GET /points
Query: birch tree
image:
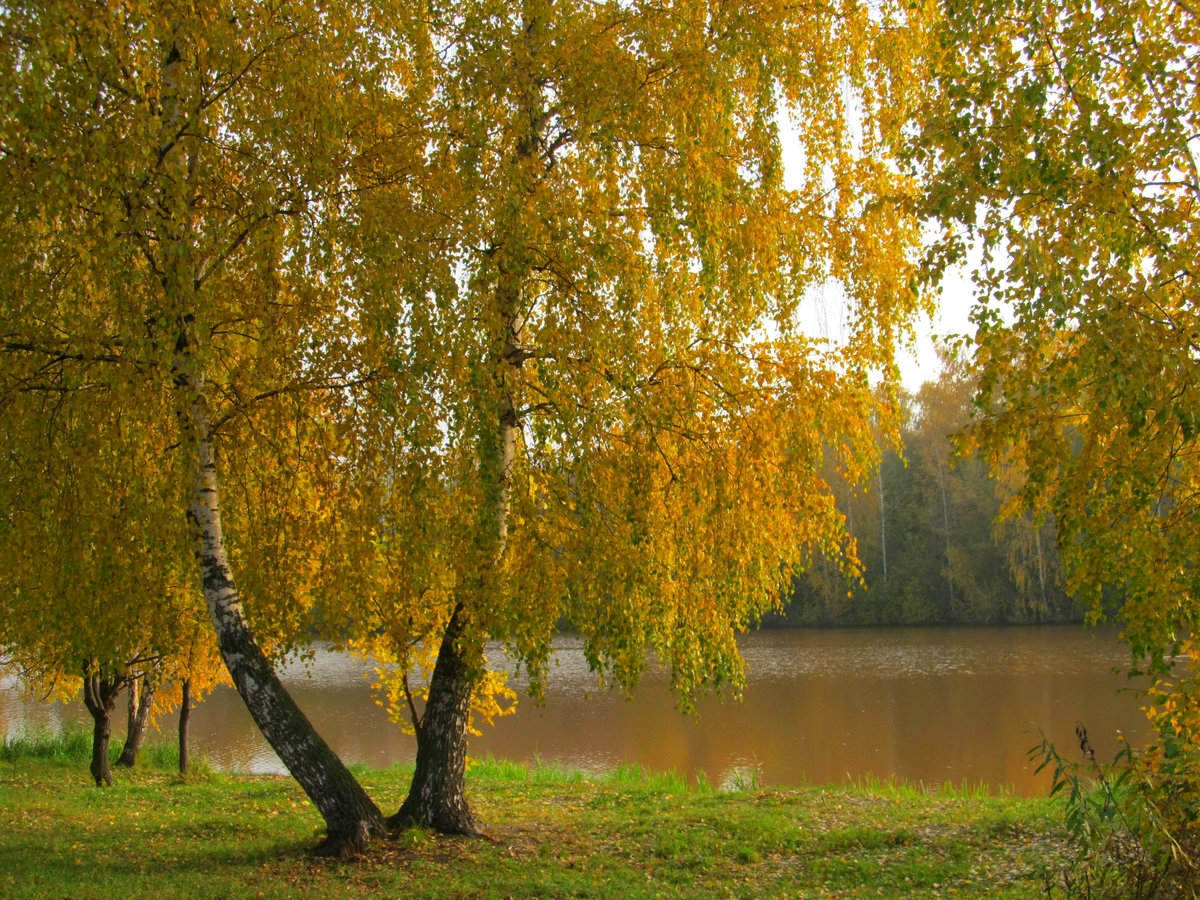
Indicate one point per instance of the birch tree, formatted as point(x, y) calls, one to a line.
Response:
point(613, 414)
point(167, 170)
point(1063, 143)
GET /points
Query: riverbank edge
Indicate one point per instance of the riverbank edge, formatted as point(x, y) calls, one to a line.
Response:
point(551, 832)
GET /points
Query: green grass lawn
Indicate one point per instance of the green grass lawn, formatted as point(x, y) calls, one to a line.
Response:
point(550, 833)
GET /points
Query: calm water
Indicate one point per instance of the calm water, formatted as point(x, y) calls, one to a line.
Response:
point(929, 705)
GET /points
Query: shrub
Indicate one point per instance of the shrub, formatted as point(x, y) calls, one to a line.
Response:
point(1132, 823)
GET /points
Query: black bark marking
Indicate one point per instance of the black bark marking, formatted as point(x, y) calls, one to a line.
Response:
point(437, 797)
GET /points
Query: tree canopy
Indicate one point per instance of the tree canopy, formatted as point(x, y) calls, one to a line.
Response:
point(606, 410)
point(171, 296)
point(1063, 143)
point(465, 319)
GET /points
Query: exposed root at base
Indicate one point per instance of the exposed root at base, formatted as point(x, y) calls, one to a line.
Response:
point(444, 824)
point(348, 846)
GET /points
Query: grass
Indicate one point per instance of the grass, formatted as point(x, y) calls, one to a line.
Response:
point(66, 747)
point(552, 832)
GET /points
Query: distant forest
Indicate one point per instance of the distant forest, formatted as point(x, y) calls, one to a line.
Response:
point(929, 537)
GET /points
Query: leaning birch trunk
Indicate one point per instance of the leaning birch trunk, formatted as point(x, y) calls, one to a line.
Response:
point(351, 817)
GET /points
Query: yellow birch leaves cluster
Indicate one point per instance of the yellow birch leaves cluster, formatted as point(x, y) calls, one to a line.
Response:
point(1060, 142)
point(499, 305)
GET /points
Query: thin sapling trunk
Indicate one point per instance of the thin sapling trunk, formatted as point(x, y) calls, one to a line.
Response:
point(185, 717)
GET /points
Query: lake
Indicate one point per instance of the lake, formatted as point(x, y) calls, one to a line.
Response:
point(930, 705)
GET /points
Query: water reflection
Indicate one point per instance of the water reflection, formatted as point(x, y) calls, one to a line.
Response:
point(929, 705)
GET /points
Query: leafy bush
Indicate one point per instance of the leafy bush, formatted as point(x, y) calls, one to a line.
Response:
point(1131, 824)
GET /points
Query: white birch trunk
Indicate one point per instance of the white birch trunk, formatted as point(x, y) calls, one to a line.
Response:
point(351, 818)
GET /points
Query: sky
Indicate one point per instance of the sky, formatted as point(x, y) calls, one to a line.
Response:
point(827, 311)
point(953, 317)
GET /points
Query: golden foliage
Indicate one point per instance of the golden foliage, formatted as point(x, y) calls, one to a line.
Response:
point(492, 306)
point(1061, 141)
point(604, 408)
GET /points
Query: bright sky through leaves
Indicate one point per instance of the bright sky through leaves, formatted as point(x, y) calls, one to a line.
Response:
point(824, 312)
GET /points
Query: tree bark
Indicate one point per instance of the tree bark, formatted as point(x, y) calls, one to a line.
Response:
point(1037, 542)
point(135, 696)
point(882, 523)
point(141, 699)
point(351, 817)
point(946, 526)
point(437, 797)
point(185, 717)
point(100, 698)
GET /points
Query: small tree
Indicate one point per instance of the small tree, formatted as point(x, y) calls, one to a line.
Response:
point(175, 682)
point(107, 612)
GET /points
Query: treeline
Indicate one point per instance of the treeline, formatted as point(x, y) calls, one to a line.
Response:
point(929, 534)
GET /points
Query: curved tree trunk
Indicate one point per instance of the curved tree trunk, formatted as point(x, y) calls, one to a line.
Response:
point(141, 699)
point(437, 797)
point(351, 817)
point(100, 698)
